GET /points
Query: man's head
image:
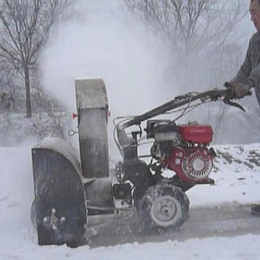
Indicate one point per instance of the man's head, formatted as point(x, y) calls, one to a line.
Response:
point(255, 13)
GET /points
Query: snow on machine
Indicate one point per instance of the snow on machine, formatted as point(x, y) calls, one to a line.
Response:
point(69, 187)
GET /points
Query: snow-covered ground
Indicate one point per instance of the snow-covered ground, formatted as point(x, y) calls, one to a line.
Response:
point(237, 177)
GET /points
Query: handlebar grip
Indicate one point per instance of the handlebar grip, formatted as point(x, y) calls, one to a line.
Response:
point(229, 87)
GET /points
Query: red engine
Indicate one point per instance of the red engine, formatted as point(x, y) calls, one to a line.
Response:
point(191, 164)
point(184, 149)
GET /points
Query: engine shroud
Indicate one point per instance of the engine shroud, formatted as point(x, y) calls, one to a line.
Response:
point(201, 134)
point(192, 164)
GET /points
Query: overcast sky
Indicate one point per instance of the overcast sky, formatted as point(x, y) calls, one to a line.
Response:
point(101, 42)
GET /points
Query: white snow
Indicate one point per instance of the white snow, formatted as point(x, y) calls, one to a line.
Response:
point(235, 183)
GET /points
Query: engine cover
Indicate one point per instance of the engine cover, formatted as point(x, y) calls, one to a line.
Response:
point(191, 164)
point(200, 134)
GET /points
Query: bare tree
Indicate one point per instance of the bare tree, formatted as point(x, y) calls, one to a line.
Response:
point(190, 24)
point(24, 29)
point(200, 35)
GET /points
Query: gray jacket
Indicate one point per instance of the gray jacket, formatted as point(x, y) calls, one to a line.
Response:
point(249, 72)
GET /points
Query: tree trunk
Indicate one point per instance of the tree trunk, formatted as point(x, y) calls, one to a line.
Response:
point(28, 94)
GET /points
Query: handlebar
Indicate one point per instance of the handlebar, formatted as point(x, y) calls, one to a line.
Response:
point(210, 95)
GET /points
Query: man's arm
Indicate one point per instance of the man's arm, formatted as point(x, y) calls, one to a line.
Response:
point(254, 76)
point(247, 77)
point(245, 74)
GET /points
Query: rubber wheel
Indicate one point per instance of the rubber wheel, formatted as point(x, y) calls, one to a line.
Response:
point(164, 206)
point(64, 194)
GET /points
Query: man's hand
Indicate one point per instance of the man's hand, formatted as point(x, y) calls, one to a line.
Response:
point(238, 90)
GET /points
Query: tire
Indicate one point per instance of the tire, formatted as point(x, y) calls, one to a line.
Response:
point(68, 226)
point(164, 206)
point(70, 208)
point(60, 197)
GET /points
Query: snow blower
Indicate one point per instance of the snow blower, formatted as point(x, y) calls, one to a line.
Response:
point(68, 188)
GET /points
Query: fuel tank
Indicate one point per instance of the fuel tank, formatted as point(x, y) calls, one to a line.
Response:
point(194, 133)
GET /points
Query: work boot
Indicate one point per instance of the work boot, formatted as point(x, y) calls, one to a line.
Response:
point(255, 210)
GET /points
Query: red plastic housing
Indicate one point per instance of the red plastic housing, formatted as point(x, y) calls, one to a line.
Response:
point(176, 162)
point(201, 134)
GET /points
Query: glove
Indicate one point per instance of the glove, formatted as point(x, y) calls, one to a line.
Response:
point(238, 90)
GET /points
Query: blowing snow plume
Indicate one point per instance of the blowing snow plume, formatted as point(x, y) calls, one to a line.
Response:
point(138, 68)
point(102, 44)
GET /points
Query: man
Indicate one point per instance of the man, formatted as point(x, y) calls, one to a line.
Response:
point(249, 74)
